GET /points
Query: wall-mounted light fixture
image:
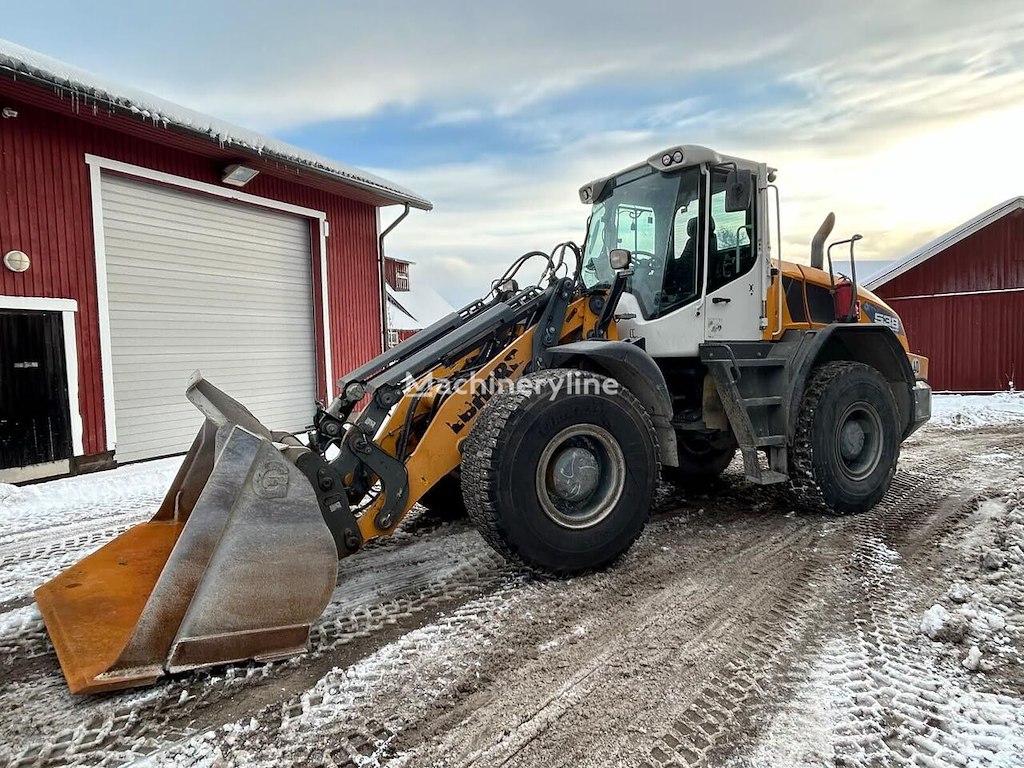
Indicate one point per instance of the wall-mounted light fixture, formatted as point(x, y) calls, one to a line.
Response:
point(238, 175)
point(9, 112)
point(17, 261)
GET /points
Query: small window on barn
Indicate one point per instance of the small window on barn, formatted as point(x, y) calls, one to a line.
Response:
point(393, 336)
point(401, 277)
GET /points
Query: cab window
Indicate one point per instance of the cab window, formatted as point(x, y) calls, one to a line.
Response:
point(654, 216)
point(683, 272)
point(730, 250)
point(635, 226)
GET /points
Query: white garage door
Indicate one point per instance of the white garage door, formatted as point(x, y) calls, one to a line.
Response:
point(197, 282)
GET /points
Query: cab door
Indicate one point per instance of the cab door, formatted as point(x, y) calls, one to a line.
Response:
point(735, 293)
point(665, 304)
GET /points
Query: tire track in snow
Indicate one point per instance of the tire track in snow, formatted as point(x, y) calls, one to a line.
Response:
point(406, 581)
point(404, 587)
point(364, 715)
point(900, 709)
point(919, 508)
point(879, 694)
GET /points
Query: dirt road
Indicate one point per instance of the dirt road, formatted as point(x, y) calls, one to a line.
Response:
point(737, 631)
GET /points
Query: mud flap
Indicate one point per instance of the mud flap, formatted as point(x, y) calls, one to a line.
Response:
point(236, 564)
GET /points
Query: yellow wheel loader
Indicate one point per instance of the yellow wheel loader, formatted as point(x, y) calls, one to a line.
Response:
point(670, 340)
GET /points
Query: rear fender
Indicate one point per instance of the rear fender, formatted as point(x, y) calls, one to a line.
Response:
point(636, 370)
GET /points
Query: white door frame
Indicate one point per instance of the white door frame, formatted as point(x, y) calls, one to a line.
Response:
point(67, 309)
point(98, 164)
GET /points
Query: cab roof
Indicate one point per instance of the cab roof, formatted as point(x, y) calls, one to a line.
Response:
point(670, 160)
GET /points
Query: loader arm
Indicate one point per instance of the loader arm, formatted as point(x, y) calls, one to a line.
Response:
point(448, 418)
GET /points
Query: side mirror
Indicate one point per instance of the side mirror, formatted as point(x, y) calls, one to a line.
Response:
point(619, 258)
point(739, 189)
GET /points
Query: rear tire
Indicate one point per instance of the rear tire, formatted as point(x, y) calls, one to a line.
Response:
point(444, 499)
point(847, 439)
point(559, 476)
point(701, 462)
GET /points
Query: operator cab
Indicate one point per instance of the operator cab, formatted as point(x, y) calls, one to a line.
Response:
point(689, 216)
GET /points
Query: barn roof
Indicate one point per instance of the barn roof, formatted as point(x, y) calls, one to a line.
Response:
point(941, 243)
point(20, 63)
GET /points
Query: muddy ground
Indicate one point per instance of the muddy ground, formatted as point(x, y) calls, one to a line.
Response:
point(736, 632)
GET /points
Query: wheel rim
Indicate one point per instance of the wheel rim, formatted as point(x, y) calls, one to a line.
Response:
point(580, 476)
point(858, 442)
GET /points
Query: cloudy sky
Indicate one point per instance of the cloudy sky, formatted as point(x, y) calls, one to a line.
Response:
point(905, 117)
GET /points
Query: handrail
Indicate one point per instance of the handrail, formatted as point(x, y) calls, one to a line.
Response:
point(778, 239)
point(852, 313)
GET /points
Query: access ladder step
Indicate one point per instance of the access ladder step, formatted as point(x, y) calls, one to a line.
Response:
point(755, 402)
point(770, 440)
point(769, 477)
point(760, 362)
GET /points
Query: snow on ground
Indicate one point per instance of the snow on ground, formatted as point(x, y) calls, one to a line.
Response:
point(34, 506)
point(929, 672)
point(347, 699)
point(966, 411)
point(47, 527)
point(893, 677)
point(804, 733)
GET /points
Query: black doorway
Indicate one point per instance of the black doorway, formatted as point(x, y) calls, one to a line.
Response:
point(34, 421)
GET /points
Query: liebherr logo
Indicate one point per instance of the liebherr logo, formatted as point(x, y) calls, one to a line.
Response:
point(485, 389)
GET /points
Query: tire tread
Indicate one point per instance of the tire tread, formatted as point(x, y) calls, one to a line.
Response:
point(803, 485)
point(481, 463)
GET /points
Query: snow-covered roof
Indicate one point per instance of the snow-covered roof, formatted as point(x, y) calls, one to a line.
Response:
point(399, 318)
point(18, 62)
point(941, 243)
point(415, 309)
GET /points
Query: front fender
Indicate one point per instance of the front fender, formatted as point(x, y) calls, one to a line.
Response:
point(636, 370)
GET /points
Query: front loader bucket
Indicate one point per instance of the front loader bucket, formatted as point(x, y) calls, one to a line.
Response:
point(236, 564)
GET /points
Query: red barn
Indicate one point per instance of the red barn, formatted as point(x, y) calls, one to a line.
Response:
point(961, 297)
point(411, 305)
point(142, 240)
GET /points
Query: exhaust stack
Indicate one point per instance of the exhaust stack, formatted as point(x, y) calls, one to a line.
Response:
point(818, 241)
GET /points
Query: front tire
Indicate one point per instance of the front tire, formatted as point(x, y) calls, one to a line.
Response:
point(847, 439)
point(560, 474)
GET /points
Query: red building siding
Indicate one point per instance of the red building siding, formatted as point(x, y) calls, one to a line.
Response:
point(45, 210)
point(990, 259)
point(973, 342)
point(963, 309)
